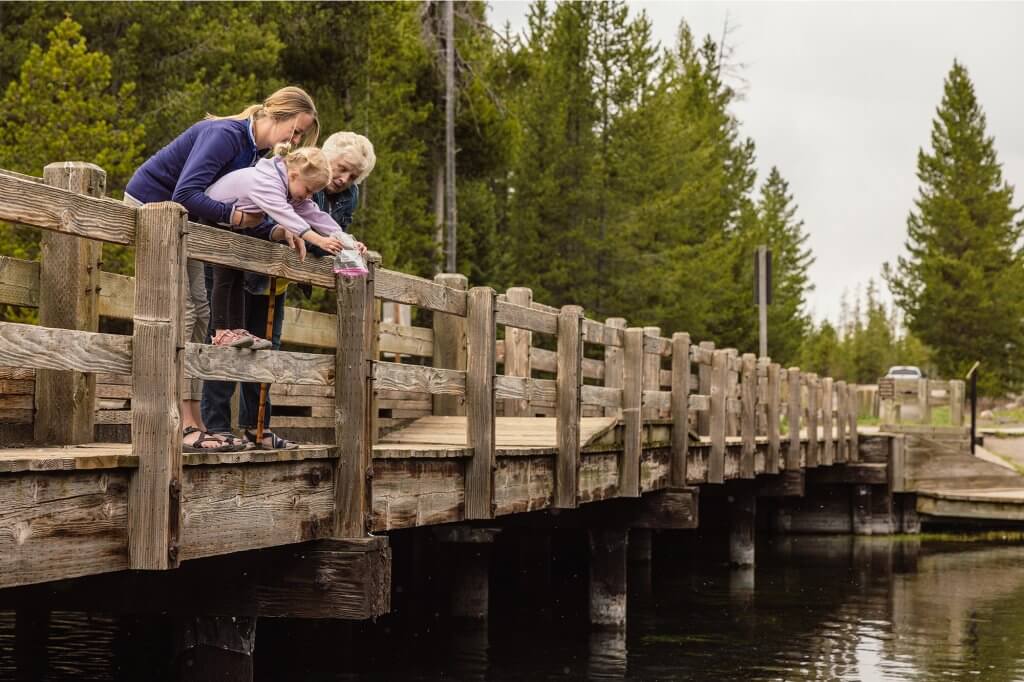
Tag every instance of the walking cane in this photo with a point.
(264, 388)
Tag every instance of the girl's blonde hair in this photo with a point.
(284, 104)
(356, 150)
(310, 163)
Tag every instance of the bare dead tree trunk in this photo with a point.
(449, 135)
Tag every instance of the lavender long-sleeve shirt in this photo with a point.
(264, 187)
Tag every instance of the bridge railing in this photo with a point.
(647, 379)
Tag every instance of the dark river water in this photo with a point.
(823, 608)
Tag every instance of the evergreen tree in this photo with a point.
(961, 286)
(62, 107)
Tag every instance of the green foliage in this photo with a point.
(593, 165)
(962, 284)
(868, 342)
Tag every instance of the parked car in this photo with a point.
(904, 372)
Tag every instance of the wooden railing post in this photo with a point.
(853, 453)
(480, 403)
(680, 406)
(568, 381)
(632, 398)
(772, 415)
(613, 366)
(353, 404)
(828, 454)
(732, 385)
(841, 422)
(69, 275)
(748, 416)
(719, 380)
(154, 504)
(793, 411)
(704, 388)
(956, 402)
(652, 373)
(517, 351)
(450, 346)
(812, 420)
(924, 406)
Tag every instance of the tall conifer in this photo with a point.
(961, 285)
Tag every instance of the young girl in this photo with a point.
(186, 167)
(280, 187)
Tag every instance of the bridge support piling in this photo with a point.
(860, 510)
(471, 550)
(638, 554)
(608, 552)
(742, 523)
(214, 648)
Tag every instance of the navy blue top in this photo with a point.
(185, 168)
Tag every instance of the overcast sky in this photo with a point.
(840, 96)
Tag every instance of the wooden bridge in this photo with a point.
(612, 427)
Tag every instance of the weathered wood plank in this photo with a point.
(793, 410)
(828, 450)
(613, 363)
(605, 334)
(450, 344)
(569, 379)
(68, 287)
(268, 505)
(353, 426)
(517, 353)
(632, 397)
(703, 355)
(266, 366)
(655, 345)
(527, 390)
(851, 412)
(59, 210)
(699, 403)
(718, 381)
(422, 293)
(27, 345)
(603, 396)
(680, 407)
(433, 380)
(772, 415)
(19, 282)
(224, 247)
(521, 316)
(154, 519)
(812, 420)
(652, 376)
(480, 333)
(842, 448)
(748, 388)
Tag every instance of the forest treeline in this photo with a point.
(594, 165)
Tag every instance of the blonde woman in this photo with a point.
(184, 169)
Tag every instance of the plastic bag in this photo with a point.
(348, 262)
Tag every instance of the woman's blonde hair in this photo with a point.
(356, 150)
(310, 163)
(284, 104)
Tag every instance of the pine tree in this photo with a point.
(62, 107)
(778, 227)
(962, 285)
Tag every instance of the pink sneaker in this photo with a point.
(232, 339)
(258, 342)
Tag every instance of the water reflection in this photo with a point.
(827, 608)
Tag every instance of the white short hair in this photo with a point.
(353, 148)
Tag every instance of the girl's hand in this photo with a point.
(361, 248)
(244, 221)
(328, 244)
(296, 243)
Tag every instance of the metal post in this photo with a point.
(762, 276)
